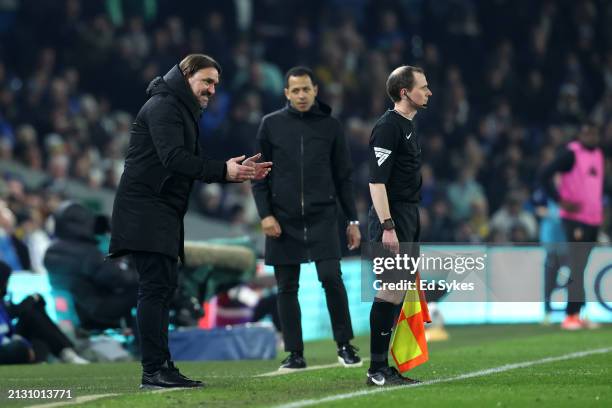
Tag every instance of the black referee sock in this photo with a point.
(382, 317)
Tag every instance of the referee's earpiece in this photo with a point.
(416, 105)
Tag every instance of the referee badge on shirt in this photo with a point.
(381, 154)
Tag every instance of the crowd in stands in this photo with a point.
(512, 80)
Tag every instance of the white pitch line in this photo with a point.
(310, 368)
(87, 398)
(77, 400)
(489, 371)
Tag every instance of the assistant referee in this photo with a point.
(395, 187)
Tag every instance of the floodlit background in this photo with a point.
(512, 81)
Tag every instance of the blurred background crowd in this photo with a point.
(511, 82)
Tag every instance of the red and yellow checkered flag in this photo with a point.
(408, 345)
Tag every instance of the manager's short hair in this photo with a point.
(400, 78)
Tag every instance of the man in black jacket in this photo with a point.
(103, 292)
(161, 165)
(298, 209)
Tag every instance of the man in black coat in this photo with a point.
(298, 208)
(162, 163)
(103, 292)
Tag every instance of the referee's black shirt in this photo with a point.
(395, 157)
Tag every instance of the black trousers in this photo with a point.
(267, 306)
(113, 309)
(330, 276)
(36, 326)
(158, 279)
(582, 238)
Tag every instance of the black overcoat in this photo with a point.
(312, 172)
(162, 162)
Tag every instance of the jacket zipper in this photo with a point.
(302, 197)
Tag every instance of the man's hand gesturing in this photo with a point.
(261, 169)
(248, 170)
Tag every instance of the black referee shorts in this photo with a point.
(407, 228)
(407, 223)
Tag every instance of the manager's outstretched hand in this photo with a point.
(248, 170)
(261, 169)
(237, 171)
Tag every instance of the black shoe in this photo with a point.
(171, 366)
(166, 378)
(388, 376)
(294, 361)
(347, 356)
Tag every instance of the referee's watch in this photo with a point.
(388, 224)
(356, 222)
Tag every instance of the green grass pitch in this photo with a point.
(584, 381)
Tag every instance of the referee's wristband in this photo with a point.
(388, 224)
(356, 222)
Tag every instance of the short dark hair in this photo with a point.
(400, 78)
(298, 72)
(195, 62)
